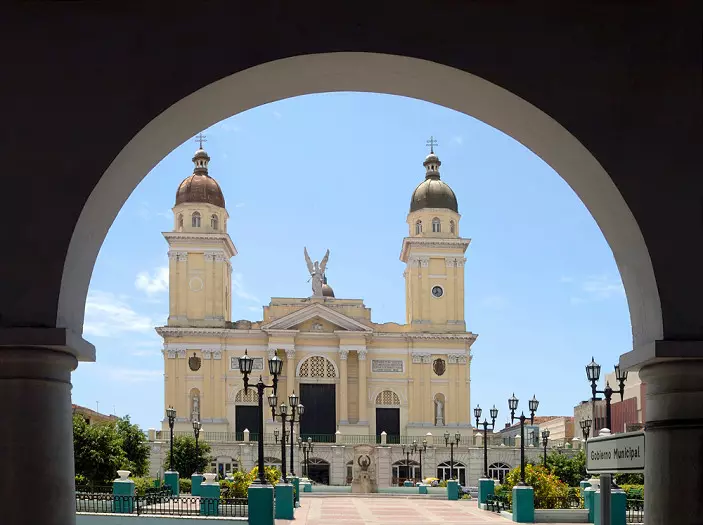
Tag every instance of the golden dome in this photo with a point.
(200, 187)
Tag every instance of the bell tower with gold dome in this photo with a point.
(200, 249)
(434, 255)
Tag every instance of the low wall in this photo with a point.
(554, 515)
(132, 519)
(330, 489)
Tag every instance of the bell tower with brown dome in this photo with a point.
(434, 255)
(200, 250)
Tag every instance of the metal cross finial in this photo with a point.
(200, 138)
(432, 143)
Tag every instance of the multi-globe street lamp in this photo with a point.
(197, 427)
(593, 375)
(245, 366)
(420, 449)
(296, 408)
(512, 405)
(171, 415)
(282, 414)
(408, 450)
(306, 448)
(477, 414)
(585, 428)
(545, 438)
(457, 439)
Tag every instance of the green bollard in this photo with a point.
(285, 502)
(261, 505)
(295, 481)
(123, 494)
(523, 504)
(209, 498)
(486, 487)
(195, 481)
(583, 485)
(452, 490)
(589, 495)
(171, 478)
(422, 488)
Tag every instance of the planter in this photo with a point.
(209, 477)
(123, 475)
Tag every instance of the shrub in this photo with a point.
(443, 483)
(238, 487)
(185, 485)
(141, 484)
(550, 491)
(633, 491)
(273, 475)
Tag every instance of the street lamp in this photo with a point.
(421, 449)
(477, 415)
(585, 427)
(171, 415)
(593, 374)
(283, 414)
(197, 427)
(294, 408)
(306, 448)
(545, 438)
(512, 405)
(407, 450)
(245, 366)
(450, 444)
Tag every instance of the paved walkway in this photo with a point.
(356, 510)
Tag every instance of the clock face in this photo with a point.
(437, 291)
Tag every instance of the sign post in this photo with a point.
(609, 454)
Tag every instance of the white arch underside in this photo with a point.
(367, 72)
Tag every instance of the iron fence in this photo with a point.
(158, 504)
(635, 511)
(498, 502)
(94, 489)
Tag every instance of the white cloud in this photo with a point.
(458, 139)
(239, 205)
(494, 302)
(226, 126)
(153, 285)
(238, 288)
(145, 212)
(108, 316)
(602, 287)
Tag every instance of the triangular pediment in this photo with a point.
(319, 312)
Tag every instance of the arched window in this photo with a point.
(404, 469)
(436, 225)
(270, 461)
(180, 222)
(195, 219)
(498, 471)
(195, 405)
(452, 227)
(317, 367)
(418, 227)
(213, 222)
(444, 471)
(387, 397)
(350, 472)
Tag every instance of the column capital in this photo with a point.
(58, 339)
(343, 354)
(362, 354)
(290, 353)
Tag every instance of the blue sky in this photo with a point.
(337, 171)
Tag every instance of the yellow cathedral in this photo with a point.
(354, 376)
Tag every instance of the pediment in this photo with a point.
(307, 317)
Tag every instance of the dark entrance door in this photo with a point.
(320, 472)
(388, 421)
(246, 417)
(320, 412)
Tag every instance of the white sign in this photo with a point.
(392, 366)
(258, 363)
(616, 453)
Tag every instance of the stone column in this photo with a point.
(674, 435)
(35, 386)
(343, 395)
(363, 395)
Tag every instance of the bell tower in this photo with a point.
(434, 254)
(200, 250)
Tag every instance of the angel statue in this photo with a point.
(317, 272)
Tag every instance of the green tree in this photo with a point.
(98, 452)
(135, 446)
(185, 459)
(570, 470)
(629, 479)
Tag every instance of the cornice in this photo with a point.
(432, 242)
(188, 236)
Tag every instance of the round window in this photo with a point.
(437, 291)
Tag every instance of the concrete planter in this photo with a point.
(561, 516)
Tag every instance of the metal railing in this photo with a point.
(151, 504)
(497, 503)
(94, 489)
(635, 511)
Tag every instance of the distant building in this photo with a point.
(92, 417)
(533, 434)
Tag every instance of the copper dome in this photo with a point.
(200, 188)
(433, 192)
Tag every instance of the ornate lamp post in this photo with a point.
(545, 438)
(171, 415)
(593, 374)
(275, 365)
(585, 427)
(283, 414)
(421, 449)
(494, 415)
(512, 405)
(306, 447)
(197, 427)
(450, 444)
(294, 408)
(407, 450)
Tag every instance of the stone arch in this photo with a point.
(369, 72)
(317, 367)
(246, 398)
(387, 398)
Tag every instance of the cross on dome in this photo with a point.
(200, 138)
(432, 143)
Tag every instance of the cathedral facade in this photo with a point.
(364, 381)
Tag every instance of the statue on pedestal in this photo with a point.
(364, 473)
(317, 272)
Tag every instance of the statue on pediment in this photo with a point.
(317, 272)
